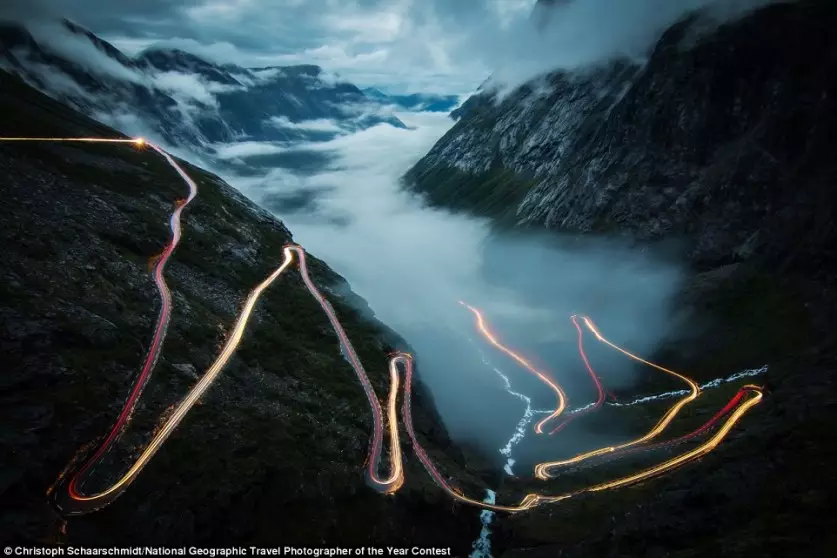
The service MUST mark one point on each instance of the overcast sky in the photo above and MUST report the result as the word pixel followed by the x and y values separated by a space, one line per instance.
pixel 446 46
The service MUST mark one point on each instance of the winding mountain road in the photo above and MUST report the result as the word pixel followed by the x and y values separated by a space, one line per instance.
pixel 67 493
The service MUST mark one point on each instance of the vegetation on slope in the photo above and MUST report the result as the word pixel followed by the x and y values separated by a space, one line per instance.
pixel 494 194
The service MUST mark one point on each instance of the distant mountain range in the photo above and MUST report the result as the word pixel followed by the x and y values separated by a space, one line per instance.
pixel 183 99
pixel 415 101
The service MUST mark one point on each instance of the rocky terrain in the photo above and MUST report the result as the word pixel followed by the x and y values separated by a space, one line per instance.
pixel 183 99
pixel 722 139
pixel 721 144
pixel 274 452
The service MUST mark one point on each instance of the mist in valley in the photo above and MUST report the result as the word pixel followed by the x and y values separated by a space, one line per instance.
pixel 414 264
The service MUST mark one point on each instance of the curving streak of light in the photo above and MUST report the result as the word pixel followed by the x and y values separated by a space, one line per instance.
pixel 77 480
pixel 533 499
pixel 559 392
pixel 395 479
pixel 78 504
pixel 72 502
pixel 756 395
pixel 599 389
pixel 731 404
pixel 136 141
pixel 543 470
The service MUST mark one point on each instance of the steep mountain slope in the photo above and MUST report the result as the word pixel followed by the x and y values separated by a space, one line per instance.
pixel 186 100
pixel 274 452
pixel 722 140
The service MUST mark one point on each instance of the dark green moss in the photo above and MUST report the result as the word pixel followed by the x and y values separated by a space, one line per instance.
pixel 495 194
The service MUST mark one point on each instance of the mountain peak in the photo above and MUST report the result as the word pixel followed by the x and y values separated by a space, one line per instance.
pixel 98 42
pixel 166 59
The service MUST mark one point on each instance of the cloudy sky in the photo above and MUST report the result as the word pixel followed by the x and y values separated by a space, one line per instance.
pixel 405 43
pixel 448 46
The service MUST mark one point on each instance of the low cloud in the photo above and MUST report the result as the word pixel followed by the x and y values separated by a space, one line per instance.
pixel 245 149
pixel 188 87
pixel 413 264
pixel 191 91
pixel 81 50
pixel 579 33
pixel 317 124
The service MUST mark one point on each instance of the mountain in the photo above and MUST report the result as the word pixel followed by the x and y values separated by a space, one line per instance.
pixel 700 142
pixel 182 98
pixel 414 101
pixel 718 149
pixel 274 452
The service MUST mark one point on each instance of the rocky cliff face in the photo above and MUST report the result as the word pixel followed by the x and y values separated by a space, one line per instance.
pixel 274 453
pixel 186 100
pixel 722 139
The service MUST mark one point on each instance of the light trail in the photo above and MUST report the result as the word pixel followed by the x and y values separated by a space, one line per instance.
pixel 599 390
pixel 533 499
pixel 79 504
pixel 392 483
pixel 700 451
pixel 76 480
pixel 542 470
pixel 395 480
pixel 528 413
pixel 136 141
pixel 732 404
pixel 559 392
pixel 73 502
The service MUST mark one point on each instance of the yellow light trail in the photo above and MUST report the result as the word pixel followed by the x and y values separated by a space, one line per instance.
pixel 135 141
pixel 103 498
pixel 396 478
pixel 534 499
pixel 559 392
pixel 700 451
pixel 77 503
pixel 542 470
pixel 389 484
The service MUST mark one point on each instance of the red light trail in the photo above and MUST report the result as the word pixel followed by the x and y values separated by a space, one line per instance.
pixel 599 389
pixel 482 326
pixel 71 500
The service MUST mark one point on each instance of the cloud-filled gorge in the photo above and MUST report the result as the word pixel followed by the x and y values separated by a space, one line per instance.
pixel 413 264
pixel 334 177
